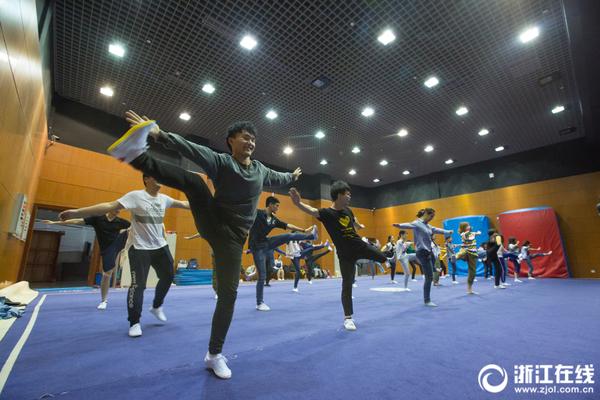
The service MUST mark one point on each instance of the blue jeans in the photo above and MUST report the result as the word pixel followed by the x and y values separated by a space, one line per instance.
pixel 263 253
pixel 426 259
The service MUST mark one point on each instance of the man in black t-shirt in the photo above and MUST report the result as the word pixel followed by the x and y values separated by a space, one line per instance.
pixel 341 224
pixel 262 246
pixel 111 233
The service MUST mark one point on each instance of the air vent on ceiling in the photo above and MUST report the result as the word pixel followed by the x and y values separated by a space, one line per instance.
pixel 321 82
pixel 553 77
pixel 567 131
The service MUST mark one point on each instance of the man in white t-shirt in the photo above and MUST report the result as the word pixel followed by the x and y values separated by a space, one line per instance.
pixel 148 245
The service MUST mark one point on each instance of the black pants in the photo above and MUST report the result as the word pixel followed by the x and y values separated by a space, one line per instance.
pixel 347 266
pixel 497 269
pixel 139 263
pixel 487 268
pixel 225 238
pixel 413 266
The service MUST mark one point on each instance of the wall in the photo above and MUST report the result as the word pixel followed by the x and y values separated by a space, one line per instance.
pixel 573 198
pixel 23 128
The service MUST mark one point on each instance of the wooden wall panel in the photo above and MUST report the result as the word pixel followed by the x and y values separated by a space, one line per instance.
pixel 23 128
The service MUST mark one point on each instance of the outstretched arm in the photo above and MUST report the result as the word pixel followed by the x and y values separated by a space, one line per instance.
pixel 439 231
pixel 194 236
pixel 294 228
pixel 74 221
pixel 276 178
pixel 98 209
pixel 297 200
pixel 358 225
pixel 181 204
pixel 404 225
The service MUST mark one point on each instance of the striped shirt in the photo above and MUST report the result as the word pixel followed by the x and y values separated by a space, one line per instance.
pixel 469 242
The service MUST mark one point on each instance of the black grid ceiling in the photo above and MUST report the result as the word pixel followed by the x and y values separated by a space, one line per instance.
pixel 173 47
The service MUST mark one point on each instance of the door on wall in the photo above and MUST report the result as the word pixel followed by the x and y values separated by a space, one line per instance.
pixel 43 252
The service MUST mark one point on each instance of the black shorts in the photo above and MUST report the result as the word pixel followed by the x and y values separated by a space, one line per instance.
pixel 109 255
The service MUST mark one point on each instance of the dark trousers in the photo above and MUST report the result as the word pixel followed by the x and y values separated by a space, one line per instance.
pixel 347 266
pixel 225 238
pixel 497 269
pixel 487 268
pixel 413 266
pixel 139 263
pixel 427 262
pixel 452 263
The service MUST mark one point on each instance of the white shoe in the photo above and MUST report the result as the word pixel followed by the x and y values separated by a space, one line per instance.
pixel 354 285
pixel 218 364
pixel 349 324
pixel 315 233
pixel 353 297
pixel 455 282
pixel 102 305
pixel 393 282
pixel 159 314
pixel 216 296
pixel 506 284
pixel 475 280
pixel 499 287
pixel 329 248
pixel 430 304
pixel 531 277
pixel 473 292
pixel 407 289
pixel 263 307
pixel 133 143
pixel 295 290
pixel 414 280
pixel 135 330
pixel 310 282
pixel 518 280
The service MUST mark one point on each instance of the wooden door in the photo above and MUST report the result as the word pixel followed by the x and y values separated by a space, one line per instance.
pixel 43 252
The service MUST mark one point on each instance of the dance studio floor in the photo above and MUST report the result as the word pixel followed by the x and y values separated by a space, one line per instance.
pixel 299 350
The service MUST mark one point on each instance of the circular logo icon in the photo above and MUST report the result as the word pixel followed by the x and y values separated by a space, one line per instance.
pixel 484 375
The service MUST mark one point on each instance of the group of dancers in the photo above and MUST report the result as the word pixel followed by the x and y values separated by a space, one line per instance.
pixel 228 217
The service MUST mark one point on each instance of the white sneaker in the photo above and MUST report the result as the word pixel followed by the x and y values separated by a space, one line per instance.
pixel 499 287
pixel 315 232
pixel 263 307
pixel 159 314
pixel 102 305
pixel 531 277
pixel 135 330
pixel 295 290
pixel 414 280
pixel 216 296
pixel 310 282
pixel 475 280
pixel 455 282
pixel 393 282
pixel 518 280
pixel 218 364
pixel 133 143
pixel 354 285
pixel 349 324
pixel 430 304
pixel 506 284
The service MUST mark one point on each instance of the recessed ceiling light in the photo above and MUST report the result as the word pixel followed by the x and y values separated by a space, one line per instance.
pixel 271 114
pixel 184 116
pixel 428 148
pixel 491 175
pixel 376 180
pixel 449 161
pixel 383 163
pixel 208 88
pixel 499 148
pixel 107 91
pixel 248 42
pixel 431 81
pixel 558 109
pixel 529 34
pixel 462 110
pixel 323 162
pixel 116 49
pixel 405 172
pixel 356 149
pixel 287 150
pixel 483 132
pixel 352 172
pixel 386 37
pixel 367 112
pixel 402 132
pixel 319 135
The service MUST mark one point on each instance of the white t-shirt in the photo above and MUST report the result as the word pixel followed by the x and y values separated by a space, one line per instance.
pixel 147 214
